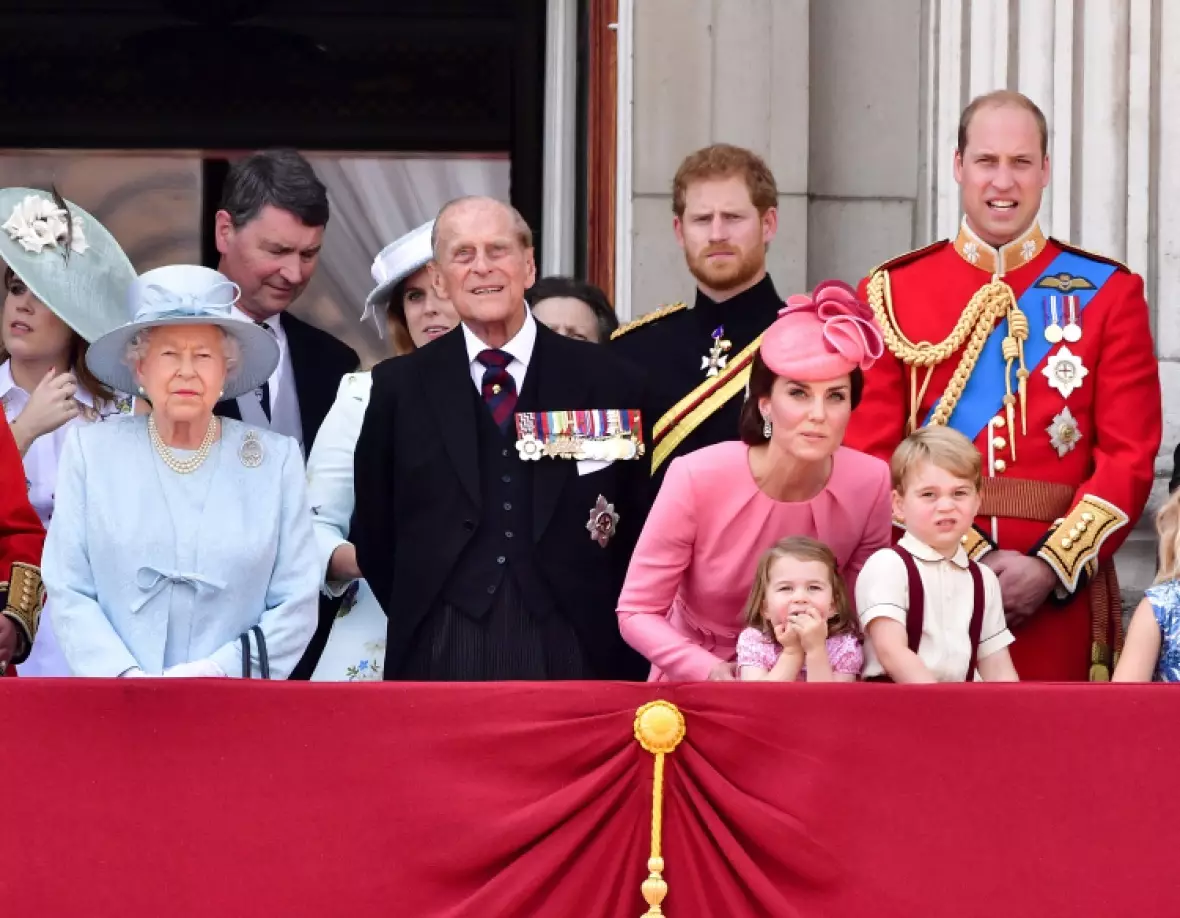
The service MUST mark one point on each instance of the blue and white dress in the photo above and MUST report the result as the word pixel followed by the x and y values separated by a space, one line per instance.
pixel 1165 603
pixel 355 651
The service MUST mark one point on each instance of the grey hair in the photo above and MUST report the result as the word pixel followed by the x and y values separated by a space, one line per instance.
pixel 137 349
pixel 520 226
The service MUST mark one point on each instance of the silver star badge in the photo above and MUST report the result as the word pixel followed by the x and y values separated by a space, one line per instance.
pixel 603 521
pixel 1063 432
pixel 1065 372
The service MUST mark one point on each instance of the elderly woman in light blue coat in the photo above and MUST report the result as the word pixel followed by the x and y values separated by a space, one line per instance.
pixel 181 544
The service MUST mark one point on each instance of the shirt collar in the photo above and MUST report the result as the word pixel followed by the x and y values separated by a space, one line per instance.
pixel 7 383
pixel 520 347
pixel 271 322
pixel 920 549
pixel 1020 251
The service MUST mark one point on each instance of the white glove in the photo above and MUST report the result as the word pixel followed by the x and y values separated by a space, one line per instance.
pixel 197 669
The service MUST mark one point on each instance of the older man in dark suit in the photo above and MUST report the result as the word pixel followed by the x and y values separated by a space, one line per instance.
pixel 500 486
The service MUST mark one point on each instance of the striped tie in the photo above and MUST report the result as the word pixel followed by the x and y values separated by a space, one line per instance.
pixel 498 387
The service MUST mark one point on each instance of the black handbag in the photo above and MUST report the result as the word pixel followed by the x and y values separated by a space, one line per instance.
pixel 263 658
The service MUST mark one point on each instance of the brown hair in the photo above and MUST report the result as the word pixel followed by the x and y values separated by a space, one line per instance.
pixel 78 347
pixel 723 160
pixel 762 377
pixel 941 446
pixel 998 99
pixel 801 548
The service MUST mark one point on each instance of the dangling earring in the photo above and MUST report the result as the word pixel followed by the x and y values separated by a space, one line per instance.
pixel 767 430
pixel 221 394
pixel 140 391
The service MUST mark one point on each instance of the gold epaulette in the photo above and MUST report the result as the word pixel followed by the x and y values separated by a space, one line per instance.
pixel 649 317
pixel 906 257
pixel 1078 250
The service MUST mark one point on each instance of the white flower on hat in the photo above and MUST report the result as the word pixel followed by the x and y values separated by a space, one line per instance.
pixel 37 223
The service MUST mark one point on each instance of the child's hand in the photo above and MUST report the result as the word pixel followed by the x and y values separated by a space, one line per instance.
pixel 812 630
pixel 788 637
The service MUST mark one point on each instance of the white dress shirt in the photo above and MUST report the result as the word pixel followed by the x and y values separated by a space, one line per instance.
pixel 284 402
pixel 882 591
pixel 520 347
pixel 41 459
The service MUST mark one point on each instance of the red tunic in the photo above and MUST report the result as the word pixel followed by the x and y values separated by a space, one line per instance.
pixel 21 534
pixel 1117 411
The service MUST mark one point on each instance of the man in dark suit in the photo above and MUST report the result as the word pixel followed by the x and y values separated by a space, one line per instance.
pixel 269 231
pixel 489 565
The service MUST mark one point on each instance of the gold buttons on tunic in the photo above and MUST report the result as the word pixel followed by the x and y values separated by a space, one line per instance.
pixel 999 442
pixel 1067 544
pixel 1000 466
pixel 998 423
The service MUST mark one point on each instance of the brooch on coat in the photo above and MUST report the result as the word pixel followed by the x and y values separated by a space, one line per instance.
pixel 603 521
pixel 250 452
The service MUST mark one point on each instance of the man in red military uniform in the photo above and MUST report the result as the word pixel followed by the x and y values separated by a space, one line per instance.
pixel 1042 355
pixel 21 541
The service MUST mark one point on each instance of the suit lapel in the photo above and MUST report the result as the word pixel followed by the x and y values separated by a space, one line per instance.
pixel 448 390
pixel 552 384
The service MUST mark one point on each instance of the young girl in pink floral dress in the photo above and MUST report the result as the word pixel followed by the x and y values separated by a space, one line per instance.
pixel 800 623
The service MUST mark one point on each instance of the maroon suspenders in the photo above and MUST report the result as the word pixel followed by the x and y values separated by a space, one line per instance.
pixel 916 613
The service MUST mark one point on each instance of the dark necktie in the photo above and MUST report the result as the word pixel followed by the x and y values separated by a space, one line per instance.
pixel 498 386
pixel 264 391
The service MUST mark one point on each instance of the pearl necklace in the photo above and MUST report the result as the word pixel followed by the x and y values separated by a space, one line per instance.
pixel 182 466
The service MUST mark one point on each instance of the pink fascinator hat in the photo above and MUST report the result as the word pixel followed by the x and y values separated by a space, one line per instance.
pixel 822 336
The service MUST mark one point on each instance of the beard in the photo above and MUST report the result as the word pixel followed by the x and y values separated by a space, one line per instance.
pixel 729 275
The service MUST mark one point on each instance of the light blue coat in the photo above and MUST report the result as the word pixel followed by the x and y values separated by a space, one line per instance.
pixel 125 591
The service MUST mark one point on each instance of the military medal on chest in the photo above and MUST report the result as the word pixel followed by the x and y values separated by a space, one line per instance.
pixel 1063 432
pixel 1065 372
pixel 714 362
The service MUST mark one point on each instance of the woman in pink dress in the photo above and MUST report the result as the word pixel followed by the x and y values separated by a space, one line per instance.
pixel 721 507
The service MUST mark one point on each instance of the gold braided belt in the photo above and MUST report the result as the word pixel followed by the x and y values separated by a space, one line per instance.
pixel 991 303
pixel 1049 502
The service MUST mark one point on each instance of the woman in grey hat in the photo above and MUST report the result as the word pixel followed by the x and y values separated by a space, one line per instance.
pixel 182 542
pixel 350 644
pixel 65 283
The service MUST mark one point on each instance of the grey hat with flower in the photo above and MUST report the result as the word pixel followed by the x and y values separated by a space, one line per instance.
pixel 66 258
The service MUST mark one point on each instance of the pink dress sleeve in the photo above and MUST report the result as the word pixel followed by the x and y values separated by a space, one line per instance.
pixel 845 654
pixel 662 554
pixel 878 531
pixel 754 650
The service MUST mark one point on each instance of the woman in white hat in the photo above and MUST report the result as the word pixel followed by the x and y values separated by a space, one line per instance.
pixel 65 283
pixel 181 543
pixel 350 644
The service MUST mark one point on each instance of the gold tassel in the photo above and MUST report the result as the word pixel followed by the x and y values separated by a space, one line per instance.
pixel 1018 327
pixel 659 728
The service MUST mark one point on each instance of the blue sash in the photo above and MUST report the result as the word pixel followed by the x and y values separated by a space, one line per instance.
pixel 983 396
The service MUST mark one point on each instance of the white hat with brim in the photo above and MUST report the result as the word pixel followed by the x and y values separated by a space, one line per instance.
pixel 186 295
pixel 84 281
pixel 394 264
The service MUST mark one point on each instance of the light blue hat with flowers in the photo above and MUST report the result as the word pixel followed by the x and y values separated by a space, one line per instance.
pixel 186 295
pixel 66 258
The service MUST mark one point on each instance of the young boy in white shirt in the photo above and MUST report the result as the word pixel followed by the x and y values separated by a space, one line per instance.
pixel 929 613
